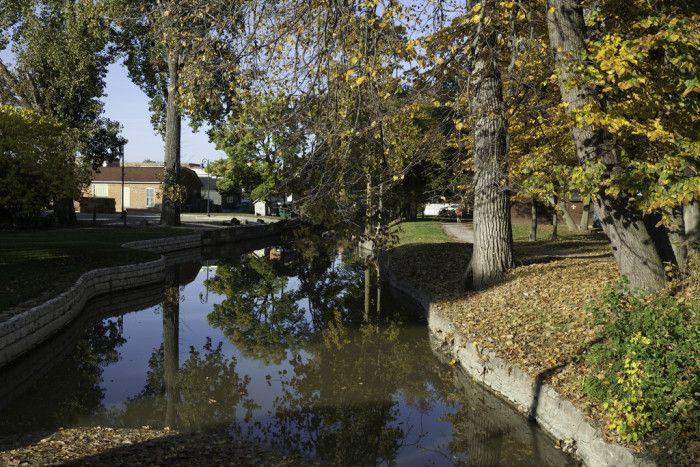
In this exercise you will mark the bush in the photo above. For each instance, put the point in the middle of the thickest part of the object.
(646, 369)
(37, 165)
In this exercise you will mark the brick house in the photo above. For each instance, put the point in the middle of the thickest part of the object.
(142, 187)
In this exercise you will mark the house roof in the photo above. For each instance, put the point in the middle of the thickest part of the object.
(144, 174)
(131, 174)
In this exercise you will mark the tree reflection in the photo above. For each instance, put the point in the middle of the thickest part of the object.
(259, 313)
(208, 390)
(341, 406)
(75, 392)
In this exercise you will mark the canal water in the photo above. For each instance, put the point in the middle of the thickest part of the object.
(284, 347)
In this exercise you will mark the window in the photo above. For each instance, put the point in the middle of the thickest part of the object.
(100, 189)
(150, 197)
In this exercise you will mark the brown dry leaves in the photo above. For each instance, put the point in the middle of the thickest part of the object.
(111, 447)
(536, 318)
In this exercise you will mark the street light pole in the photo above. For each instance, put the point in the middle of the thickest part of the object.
(121, 155)
(208, 178)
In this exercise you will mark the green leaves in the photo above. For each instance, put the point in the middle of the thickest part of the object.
(37, 163)
(647, 362)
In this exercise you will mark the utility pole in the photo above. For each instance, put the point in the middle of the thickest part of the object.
(208, 179)
(121, 155)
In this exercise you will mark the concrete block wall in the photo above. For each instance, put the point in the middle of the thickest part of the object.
(27, 329)
(555, 415)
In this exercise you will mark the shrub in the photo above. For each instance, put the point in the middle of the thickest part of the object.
(37, 165)
(645, 366)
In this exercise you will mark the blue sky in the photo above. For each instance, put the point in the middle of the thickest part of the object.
(127, 104)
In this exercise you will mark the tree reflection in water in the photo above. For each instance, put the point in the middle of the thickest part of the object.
(258, 313)
(339, 403)
(358, 381)
(204, 393)
(207, 388)
(75, 391)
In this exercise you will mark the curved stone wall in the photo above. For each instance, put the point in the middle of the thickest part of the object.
(26, 329)
(557, 416)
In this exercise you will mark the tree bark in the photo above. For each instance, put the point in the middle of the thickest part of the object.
(533, 221)
(691, 219)
(492, 251)
(170, 210)
(368, 291)
(677, 238)
(585, 214)
(632, 245)
(568, 220)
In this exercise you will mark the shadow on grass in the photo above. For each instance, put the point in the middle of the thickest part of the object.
(437, 268)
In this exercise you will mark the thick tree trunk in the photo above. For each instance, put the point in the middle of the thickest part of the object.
(64, 211)
(492, 251)
(632, 245)
(170, 210)
(585, 214)
(691, 219)
(533, 221)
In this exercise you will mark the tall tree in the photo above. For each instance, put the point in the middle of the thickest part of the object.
(60, 53)
(492, 252)
(633, 123)
(185, 56)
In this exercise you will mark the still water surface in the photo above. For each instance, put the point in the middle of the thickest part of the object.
(277, 347)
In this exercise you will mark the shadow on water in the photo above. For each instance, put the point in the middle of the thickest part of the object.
(294, 350)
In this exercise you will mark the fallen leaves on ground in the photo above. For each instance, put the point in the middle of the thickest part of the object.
(99, 446)
(537, 318)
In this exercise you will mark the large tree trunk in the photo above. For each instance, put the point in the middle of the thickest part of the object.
(64, 211)
(677, 238)
(632, 245)
(492, 251)
(568, 220)
(170, 210)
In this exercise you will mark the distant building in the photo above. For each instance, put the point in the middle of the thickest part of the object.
(218, 201)
(142, 186)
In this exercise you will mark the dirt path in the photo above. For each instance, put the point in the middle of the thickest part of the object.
(459, 231)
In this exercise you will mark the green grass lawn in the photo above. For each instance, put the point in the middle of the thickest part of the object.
(422, 232)
(429, 231)
(521, 231)
(39, 264)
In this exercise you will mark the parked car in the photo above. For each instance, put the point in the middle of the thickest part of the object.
(450, 211)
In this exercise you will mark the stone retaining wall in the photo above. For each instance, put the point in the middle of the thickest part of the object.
(557, 416)
(28, 328)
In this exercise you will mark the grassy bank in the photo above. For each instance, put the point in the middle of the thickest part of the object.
(422, 232)
(630, 361)
(35, 265)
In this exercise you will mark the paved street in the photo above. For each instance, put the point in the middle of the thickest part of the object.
(191, 219)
